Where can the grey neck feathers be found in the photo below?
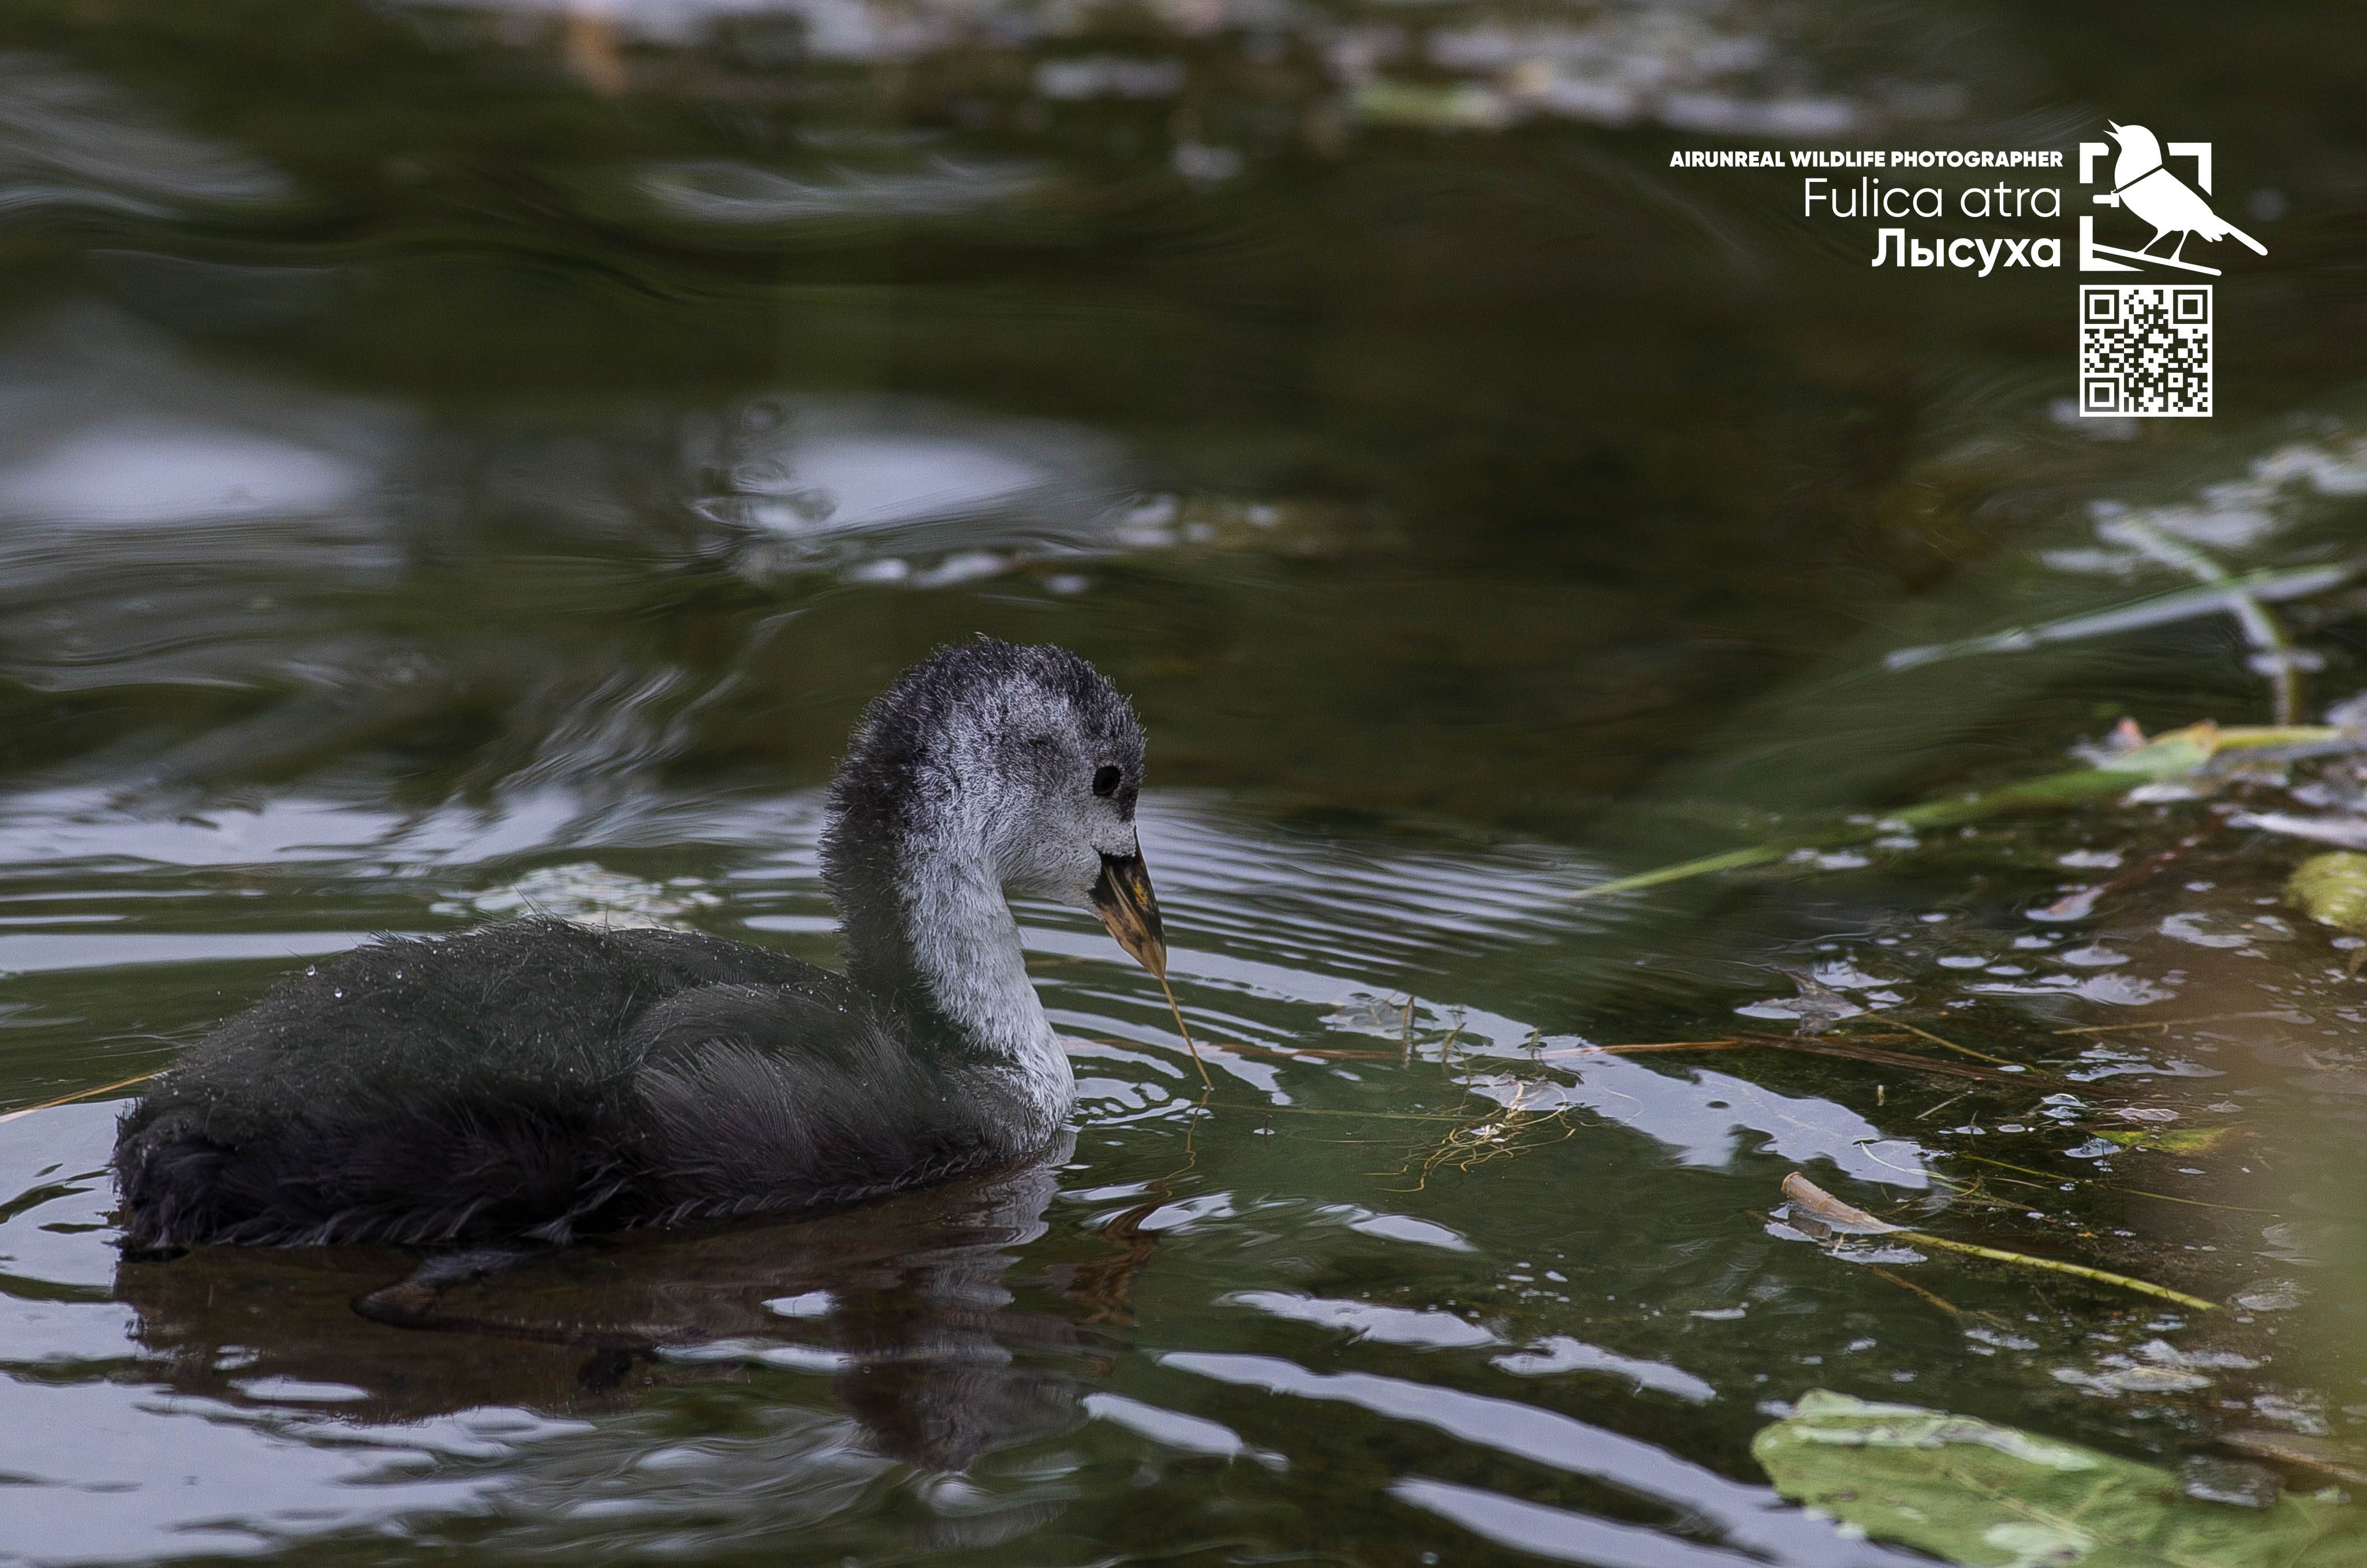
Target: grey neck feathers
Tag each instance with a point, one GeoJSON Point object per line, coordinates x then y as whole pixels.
{"type": "Point", "coordinates": [930, 933]}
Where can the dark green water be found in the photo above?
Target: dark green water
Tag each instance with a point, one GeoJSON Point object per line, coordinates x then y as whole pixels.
{"type": "Point", "coordinates": [459, 461]}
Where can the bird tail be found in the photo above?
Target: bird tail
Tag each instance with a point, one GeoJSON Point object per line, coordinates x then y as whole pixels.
{"type": "Point", "coordinates": [2258, 248]}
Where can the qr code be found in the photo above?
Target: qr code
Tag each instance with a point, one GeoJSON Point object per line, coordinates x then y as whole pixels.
{"type": "Point", "coordinates": [2145, 349]}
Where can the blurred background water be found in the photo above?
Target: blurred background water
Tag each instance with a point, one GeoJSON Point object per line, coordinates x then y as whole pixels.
{"type": "Point", "coordinates": [457, 460]}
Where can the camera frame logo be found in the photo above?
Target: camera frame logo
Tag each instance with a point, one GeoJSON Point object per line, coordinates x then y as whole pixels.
{"type": "Point", "coordinates": [2145, 349]}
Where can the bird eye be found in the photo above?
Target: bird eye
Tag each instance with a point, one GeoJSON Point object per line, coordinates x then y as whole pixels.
{"type": "Point", "coordinates": [1105, 779]}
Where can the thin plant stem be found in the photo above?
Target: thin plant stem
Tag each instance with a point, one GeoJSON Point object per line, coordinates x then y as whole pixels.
{"type": "Point", "coordinates": [2176, 1023]}
{"type": "Point", "coordinates": [1950, 1307]}
{"type": "Point", "coordinates": [1943, 1105]}
{"type": "Point", "coordinates": [1907, 1060]}
{"type": "Point", "coordinates": [1952, 1045]}
{"type": "Point", "coordinates": [1187, 1033]}
{"type": "Point", "coordinates": [1352, 1114]}
{"type": "Point", "coordinates": [1825, 1210]}
{"type": "Point", "coordinates": [2054, 1266]}
{"type": "Point", "coordinates": [80, 1095]}
{"type": "Point", "coordinates": [1728, 1044]}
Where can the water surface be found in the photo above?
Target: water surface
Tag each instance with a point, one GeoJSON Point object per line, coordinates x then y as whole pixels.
{"type": "Point", "coordinates": [458, 462]}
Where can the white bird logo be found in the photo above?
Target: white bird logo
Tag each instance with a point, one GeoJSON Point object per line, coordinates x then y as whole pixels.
{"type": "Point", "coordinates": [2143, 185]}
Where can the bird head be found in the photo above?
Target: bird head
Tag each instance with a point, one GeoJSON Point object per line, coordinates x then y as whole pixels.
{"type": "Point", "coordinates": [1024, 760]}
{"type": "Point", "coordinates": [2136, 140]}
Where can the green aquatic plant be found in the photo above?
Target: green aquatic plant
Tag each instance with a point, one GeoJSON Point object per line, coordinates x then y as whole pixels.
{"type": "Point", "coordinates": [2331, 888]}
{"type": "Point", "coordinates": [2187, 1142]}
{"type": "Point", "coordinates": [2245, 596]}
{"type": "Point", "coordinates": [2240, 594]}
{"type": "Point", "coordinates": [2174, 755]}
{"type": "Point", "coordinates": [1991, 1496]}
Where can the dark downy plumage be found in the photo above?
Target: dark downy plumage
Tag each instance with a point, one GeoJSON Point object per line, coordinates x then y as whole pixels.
{"type": "Point", "coordinates": [535, 1080]}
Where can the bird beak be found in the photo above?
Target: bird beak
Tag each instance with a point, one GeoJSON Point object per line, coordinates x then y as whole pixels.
{"type": "Point", "coordinates": [1122, 897]}
{"type": "Point", "coordinates": [2116, 128]}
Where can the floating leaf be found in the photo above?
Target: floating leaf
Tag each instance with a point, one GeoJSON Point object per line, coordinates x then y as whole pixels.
{"type": "Point", "coordinates": [1991, 1496]}
{"type": "Point", "coordinates": [1830, 1212]}
{"type": "Point", "coordinates": [2171, 755]}
{"type": "Point", "coordinates": [2331, 888]}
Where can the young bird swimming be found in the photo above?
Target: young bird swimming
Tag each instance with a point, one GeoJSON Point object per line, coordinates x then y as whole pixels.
{"type": "Point", "coordinates": [537, 1079]}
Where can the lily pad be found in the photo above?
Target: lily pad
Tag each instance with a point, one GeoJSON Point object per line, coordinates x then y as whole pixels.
{"type": "Point", "coordinates": [1990, 1496]}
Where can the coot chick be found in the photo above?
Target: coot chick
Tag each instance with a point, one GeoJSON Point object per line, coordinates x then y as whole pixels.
{"type": "Point", "coordinates": [535, 1080]}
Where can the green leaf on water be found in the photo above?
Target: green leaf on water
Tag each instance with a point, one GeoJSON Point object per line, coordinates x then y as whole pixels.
{"type": "Point", "coordinates": [1991, 1496]}
{"type": "Point", "coordinates": [2170, 1141]}
{"type": "Point", "coordinates": [2332, 890]}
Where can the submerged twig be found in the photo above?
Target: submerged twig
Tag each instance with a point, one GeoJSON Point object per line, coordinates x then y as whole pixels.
{"type": "Point", "coordinates": [2081, 904]}
{"type": "Point", "coordinates": [2110, 1186]}
{"type": "Point", "coordinates": [1831, 1212]}
{"type": "Point", "coordinates": [1849, 1052]}
{"type": "Point", "coordinates": [1646, 1047]}
{"type": "Point", "coordinates": [1952, 1045]}
{"type": "Point", "coordinates": [2007, 1166]}
{"type": "Point", "coordinates": [1903, 1283]}
{"type": "Point", "coordinates": [1943, 1105]}
{"type": "Point", "coordinates": [2281, 1016]}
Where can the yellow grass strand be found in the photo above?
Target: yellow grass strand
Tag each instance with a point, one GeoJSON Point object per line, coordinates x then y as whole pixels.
{"type": "Point", "coordinates": [79, 1094]}
{"type": "Point", "coordinates": [1194, 1050]}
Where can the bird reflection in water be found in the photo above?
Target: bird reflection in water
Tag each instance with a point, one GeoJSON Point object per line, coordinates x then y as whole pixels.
{"type": "Point", "coordinates": [905, 1303]}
